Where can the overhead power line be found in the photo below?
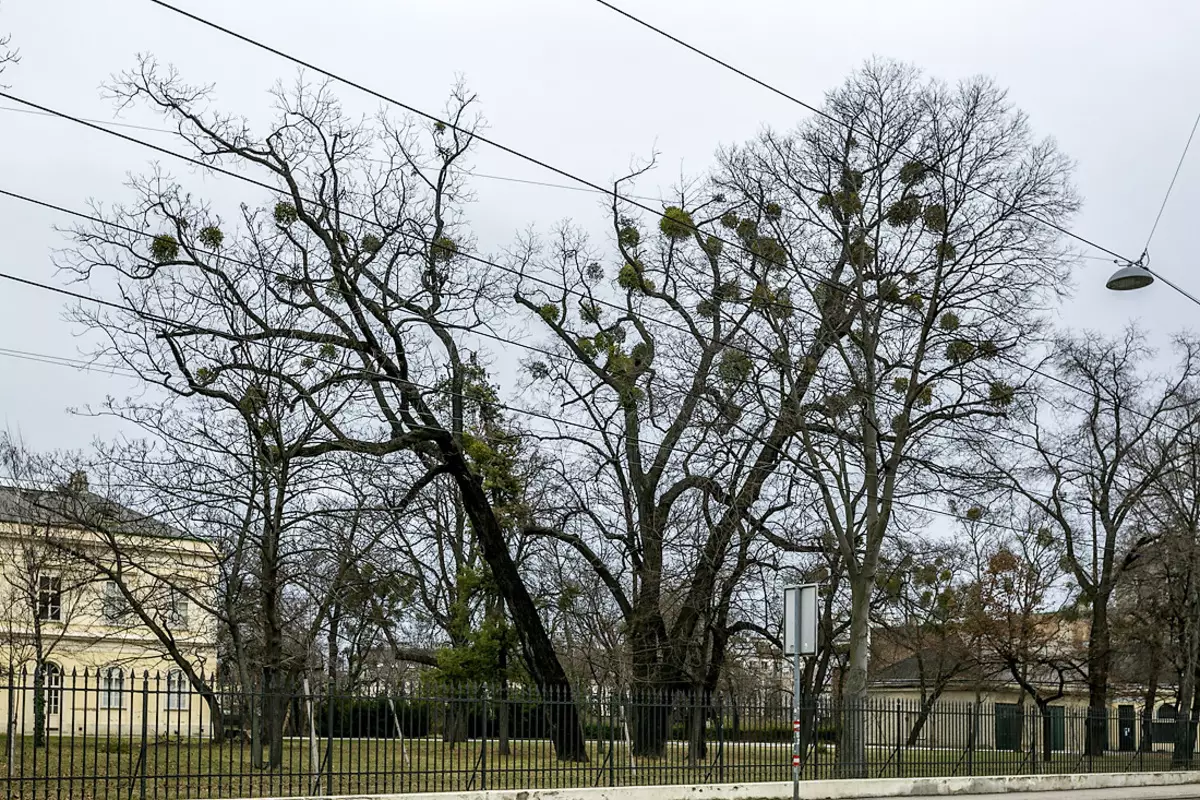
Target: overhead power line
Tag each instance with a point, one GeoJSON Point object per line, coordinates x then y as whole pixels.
{"type": "Point", "coordinates": [463, 253]}
{"type": "Point", "coordinates": [168, 131]}
{"type": "Point", "coordinates": [825, 115]}
{"type": "Point", "coordinates": [533, 159]}
{"type": "Point", "coordinates": [1171, 185]}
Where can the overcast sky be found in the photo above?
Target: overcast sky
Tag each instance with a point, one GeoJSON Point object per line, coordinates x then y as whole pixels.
{"type": "Point", "coordinates": [576, 85]}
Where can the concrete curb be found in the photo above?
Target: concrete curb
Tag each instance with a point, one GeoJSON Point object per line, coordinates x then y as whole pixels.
{"type": "Point", "coordinates": [824, 790]}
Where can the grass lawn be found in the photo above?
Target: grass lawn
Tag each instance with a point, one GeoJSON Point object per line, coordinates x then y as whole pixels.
{"type": "Point", "coordinates": [112, 768]}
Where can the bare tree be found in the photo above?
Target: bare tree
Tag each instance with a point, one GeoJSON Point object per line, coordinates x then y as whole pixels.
{"type": "Point", "coordinates": [947, 288]}
{"type": "Point", "coordinates": [1093, 449]}
{"type": "Point", "coordinates": [1012, 611]}
{"type": "Point", "coordinates": [354, 273]}
{"type": "Point", "coordinates": [921, 619]}
{"type": "Point", "coordinates": [685, 381]}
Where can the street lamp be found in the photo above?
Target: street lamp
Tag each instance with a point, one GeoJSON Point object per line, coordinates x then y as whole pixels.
{"type": "Point", "coordinates": [1129, 277]}
{"type": "Point", "coordinates": [1137, 275]}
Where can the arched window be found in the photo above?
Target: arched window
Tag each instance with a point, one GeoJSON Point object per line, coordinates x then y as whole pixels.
{"type": "Point", "coordinates": [179, 691]}
{"type": "Point", "coordinates": [52, 686]}
{"type": "Point", "coordinates": [112, 687]}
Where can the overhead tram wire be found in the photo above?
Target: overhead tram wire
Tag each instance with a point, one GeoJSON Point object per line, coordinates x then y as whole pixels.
{"type": "Point", "coordinates": [285, 193]}
{"type": "Point", "coordinates": [463, 253]}
{"type": "Point", "coordinates": [480, 333]}
{"type": "Point", "coordinates": [1179, 166]}
{"type": "Point", "coordinates": [168, 131]}
{"type": "Point", "coordinates": [827, 116]}
{"type": "Point", "coordinates": [544, 164]}
{"type": "Point", "coordinates": [77, 364]}
{"type": "Point", "coordinates": [63, 361]}
{"type": "Point", "coordinates": [150, 316]}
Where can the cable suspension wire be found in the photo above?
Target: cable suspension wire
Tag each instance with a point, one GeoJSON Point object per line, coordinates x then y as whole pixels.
{"type": "Point", "coordinates": [463, 253]}
{"type": "Point", "coordinates": [168, 131]}
{"type": "Point", "coordinates": [549, 284]}
{"type": "Point", "coordinates": [827, 116]}
{"type": "Point", "coordinates": [524, 156]}
{"type": "Point", "coordinates": [1174, 177]}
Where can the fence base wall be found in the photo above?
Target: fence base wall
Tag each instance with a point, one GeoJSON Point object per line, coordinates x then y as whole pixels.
{"type": "Point", "coordinates": [867, 789]}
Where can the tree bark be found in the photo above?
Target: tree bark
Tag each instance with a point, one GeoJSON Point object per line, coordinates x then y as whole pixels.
{"type": "Point", "coordinates": [39, 704]}
{"type": "Point", "coordinates": [927, 704]}
{"type": "Point", "coordinates": [852, 748]}
{"type": "Point", "coordinates": [566, 731]}
{"type": "Point", "coordinates": [1098, 662]}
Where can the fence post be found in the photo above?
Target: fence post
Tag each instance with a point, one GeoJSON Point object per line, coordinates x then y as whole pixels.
{"type": "Point", "coordinates": [899, 740]}
{"type": "Point", "coordinates": [145, 724]}
{"type": "Point", "coordinates": [720, 739]}
{"type": "Point", "coordinates": [329, 740]}
{"type": "Point", "coordinates": [612, 738]}
{"type": "Point", "coordinates": [483, 740]}
{"type": "Point", "coordinates": [10, 724]}
{"type": "Point", "coordinates": [1090, 738]}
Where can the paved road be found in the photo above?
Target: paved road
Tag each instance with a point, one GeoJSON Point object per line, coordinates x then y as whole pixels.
{"type": "Point", "coordinates": [1132, 793]}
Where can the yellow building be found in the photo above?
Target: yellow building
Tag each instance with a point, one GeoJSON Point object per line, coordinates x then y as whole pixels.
{"type": "Point", "coordinates": [102, 617]}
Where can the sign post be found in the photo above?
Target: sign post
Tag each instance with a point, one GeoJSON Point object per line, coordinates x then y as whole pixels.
{"type": "Point", "coordinates": [800, 631]}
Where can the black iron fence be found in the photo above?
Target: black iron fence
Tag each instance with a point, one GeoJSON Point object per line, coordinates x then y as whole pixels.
{"type": "Point", "coordinates": [115, 734]}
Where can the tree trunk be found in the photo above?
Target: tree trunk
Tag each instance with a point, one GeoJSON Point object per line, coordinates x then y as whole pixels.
{"type": "Point", "coordinates": [502, 712]}
{"type": "Point", "coordinates": [852, 746]}
{"type": "Point", "coordinates": [927, 704]}
{"type": "Point", "coordinates": [697, 729]}
{"type": "Point", "coordinates": [1184, 718]}
{"type": "Point", "coordinates": [39, 704]}
{"type": "Point", "coordinates": [454, 730]}
{"type": "Point", "coordinates": [1185, 714]}
{"type": "Point", "coordinates": [272, 667]}
{"type": "Point", "coordinates": [1099, 651]}
{"type": "Point", "coordinates": [1146, 744]}
{"type": "Point", "coordinates": [566, 730]}
{"type": "Point", "coordinates": [651, 716]}
{"type": "Point", "coordinates": [1047, 730]}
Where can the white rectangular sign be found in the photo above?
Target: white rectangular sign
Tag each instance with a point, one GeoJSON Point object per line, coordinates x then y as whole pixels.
{"type": "Point", "coordinates": [800, 620]}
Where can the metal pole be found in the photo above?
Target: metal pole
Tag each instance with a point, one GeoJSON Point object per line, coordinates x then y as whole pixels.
{"type": "Point", "coordinates": [796, 722]}
{"type": "Point", "coordinates": [145, 725]}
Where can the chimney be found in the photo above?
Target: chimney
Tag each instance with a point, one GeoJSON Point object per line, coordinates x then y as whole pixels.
{"type": "Point", "coordinates": [78, 482]}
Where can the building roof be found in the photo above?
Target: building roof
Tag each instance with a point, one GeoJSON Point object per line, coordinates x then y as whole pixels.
{"type": "Point", "coordinates": [77, 507]}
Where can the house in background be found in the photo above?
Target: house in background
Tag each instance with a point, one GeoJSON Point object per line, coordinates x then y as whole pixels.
{"type": "Point", "coordinates": [956, 692]}
{"type": "Point", "coordinates": [96, 601]}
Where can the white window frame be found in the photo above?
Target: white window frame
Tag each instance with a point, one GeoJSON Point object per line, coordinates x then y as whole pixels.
{"type": "Point", "coordinates": [178, 611]}
{"type": "Point", "coordinates": [115, 607]}
{"type": "Point", "coordinates": [179, 691]}
{"type": "Point", "coordinates": [52, 684]}
{"type": "Point", "coordinates": [49, 598]}
{"type": "Point", "coordinates": [112, 688]}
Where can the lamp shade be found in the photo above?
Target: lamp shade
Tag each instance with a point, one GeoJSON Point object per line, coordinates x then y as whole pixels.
{"type": "Point", "coordinates": [1130, 277]}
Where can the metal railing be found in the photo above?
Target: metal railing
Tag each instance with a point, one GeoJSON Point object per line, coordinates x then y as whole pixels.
{"type": "Point", "coordinates": [115, 734]}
